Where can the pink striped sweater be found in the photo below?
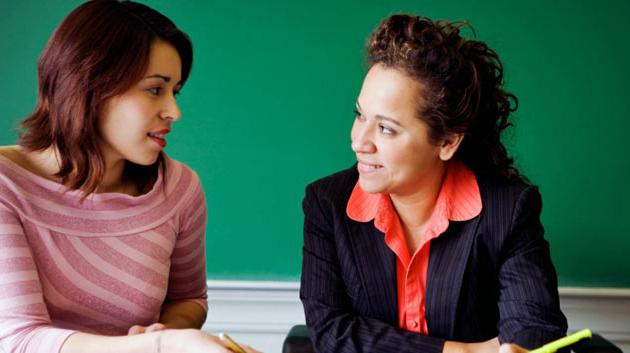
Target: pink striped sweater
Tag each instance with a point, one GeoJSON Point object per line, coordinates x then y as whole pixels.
{"type": "Point", "coordinates": [99, 266]}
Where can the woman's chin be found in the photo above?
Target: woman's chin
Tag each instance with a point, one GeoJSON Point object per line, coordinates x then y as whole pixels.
{"type": "Point", "coordinates": [144, 160]}
{"type": "Point", "coordinates": [371, 186]}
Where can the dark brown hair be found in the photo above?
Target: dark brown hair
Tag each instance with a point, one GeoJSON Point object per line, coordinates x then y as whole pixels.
{"type": "Point", "coordinates": [100, 50]}
{"type": "Point", "coordinates": [464, 86]}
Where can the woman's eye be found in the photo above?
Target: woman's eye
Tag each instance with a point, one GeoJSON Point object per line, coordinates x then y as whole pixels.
{"type": "Point", "coordinates": [357, 115]}
{"type": "Point", "coordinates": [386, 131]}
{"type": "Point", "coordinates": [155, 90]}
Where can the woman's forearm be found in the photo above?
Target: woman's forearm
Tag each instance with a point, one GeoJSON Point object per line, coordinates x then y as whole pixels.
{"type": "Point", "coordinates": [183, 314]}
{"type": "Point", "coordinates": [83, 342]}
{"type": "Point", "coordinates": [167, 341]}
{"type": "Point", "coordinates": [489, 346]}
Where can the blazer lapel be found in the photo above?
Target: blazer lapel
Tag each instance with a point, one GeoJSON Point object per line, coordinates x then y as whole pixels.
{"type": "Point", "coordinates": [448, 257]}
{"type": "Point", "coordinates": [376, 265]}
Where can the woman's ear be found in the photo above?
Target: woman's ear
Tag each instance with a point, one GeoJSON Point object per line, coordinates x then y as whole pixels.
{"type": "Point", "coordinates": [449, 146]}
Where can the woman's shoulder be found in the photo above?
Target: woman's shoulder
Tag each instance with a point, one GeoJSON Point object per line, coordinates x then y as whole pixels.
{"type": "Point", "coordinates": [173, 165]}
{"type": "Point", "coordinates": [9, 170]}
{"type": "Point", "coordinates": [181, 180]}
{"type": "Point", "coordinates": [15, 166]}
{"type": "Point", "coordinates": [491, 184]}
{"type": "Point", "coordinates": [24, 188]}
{"type": "Point", "coordinates": [184, 190]}
{"type": "Point", "coordinates": [12, 154]}
{"type": "Point", "coordinates": [499, 194]}
{"type": "Point", "coordinates": [38, 167]}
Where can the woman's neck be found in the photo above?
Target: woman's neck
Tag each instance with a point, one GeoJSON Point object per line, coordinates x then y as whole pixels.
{"type": "Point", "coordinates": [415, 209]}
{"type": "Point", "coordinates": [113, 180]}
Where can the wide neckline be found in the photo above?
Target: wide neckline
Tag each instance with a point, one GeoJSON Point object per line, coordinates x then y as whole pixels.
{"type": "Point", "coordinates": [58, 187]}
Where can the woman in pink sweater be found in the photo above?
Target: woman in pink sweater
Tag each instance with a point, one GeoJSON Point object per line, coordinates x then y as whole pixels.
{"type": "Point", "coordinates": [102, 235]}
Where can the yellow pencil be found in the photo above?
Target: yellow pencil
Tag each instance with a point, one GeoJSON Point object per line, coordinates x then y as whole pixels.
{"type": "Point", "coordinates": [230, 343]}
{"type": "Point", "coordinates": [551, 347]}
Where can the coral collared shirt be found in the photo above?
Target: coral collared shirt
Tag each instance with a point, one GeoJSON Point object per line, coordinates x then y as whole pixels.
{"type": "Point", "coordinates": [458, 200]}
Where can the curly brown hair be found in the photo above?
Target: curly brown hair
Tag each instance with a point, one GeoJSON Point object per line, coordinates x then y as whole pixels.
{"type": "Point", "coordinates": [464, 80]}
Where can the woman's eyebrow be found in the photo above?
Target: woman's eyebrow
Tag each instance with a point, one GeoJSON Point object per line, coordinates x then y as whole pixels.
{"type": "Point", "coordinates": [163, 77]}
{"type": "Point", "coordinates": [381, 117]}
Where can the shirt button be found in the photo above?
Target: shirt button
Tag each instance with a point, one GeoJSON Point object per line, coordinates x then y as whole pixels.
{"type": "Point", "coordinates": [412, 323]}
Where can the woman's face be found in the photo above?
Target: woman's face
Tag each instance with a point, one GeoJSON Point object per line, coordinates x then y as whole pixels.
{"type": "Point", "coordinates": [133, 125]}
{"type": "Point", "coordinates": [391, 143]}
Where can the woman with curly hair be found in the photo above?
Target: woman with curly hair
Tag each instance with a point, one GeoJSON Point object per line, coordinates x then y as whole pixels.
{"type": "Point", "coordinates": [432, 242]}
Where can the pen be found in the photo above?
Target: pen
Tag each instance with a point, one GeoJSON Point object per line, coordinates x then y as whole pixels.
{"type": "Point", "coordinates": [563, 342]}
{"type": "Point", "coordinates": [230, 343]}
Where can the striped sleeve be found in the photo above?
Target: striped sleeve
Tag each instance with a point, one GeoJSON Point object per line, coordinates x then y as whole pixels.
{"type": "Point", "coordinates": [187, 279]}
{"type": "Point", "coordinates": [25, 325]}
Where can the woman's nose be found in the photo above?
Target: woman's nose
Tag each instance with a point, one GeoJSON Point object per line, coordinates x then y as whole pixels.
{"type": "Point", "coordinates": [361, 137]}
{"type": "Point", "coordinates": [171, 109]}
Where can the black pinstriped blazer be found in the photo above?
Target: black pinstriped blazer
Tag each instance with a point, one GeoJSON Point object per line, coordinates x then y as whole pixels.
{"type": "Point", "coordinates": [489, 276]}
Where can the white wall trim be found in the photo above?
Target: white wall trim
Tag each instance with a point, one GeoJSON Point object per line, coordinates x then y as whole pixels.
{"type": "Point", "coordinates": [603, 310]}
{"type": "Point", "coordinates": [256, 285]}
{"type": "Point", "coordinates": [260, 313]}
{"type": "Point", "coordinates": [602, 292]}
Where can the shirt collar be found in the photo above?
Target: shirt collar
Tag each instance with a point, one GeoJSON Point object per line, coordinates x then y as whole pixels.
{"type": "Point", "coordinates": [459, 199]}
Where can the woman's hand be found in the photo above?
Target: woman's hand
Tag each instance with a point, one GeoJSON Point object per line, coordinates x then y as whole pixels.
{"type": "Point", "coordinates": [138, 329]}
{"type": "Point", "coordinates": [512, 348]}
{"type": "Point", "coordinates": [195, 341]}
{"type": "Point", "coordinates": [489, 346]}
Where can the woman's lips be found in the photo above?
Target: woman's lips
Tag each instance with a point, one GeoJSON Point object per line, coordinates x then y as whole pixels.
{"type": "Point", "coordinates": [160, 141]}
{"type": "Point", "coordinates": [365, 168]}
{"type": "Point", "coordinates": [158, 137]}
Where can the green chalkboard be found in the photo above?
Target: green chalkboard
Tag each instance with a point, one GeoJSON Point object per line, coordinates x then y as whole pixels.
{"type": "Point", "coordinates": [268, 109]}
